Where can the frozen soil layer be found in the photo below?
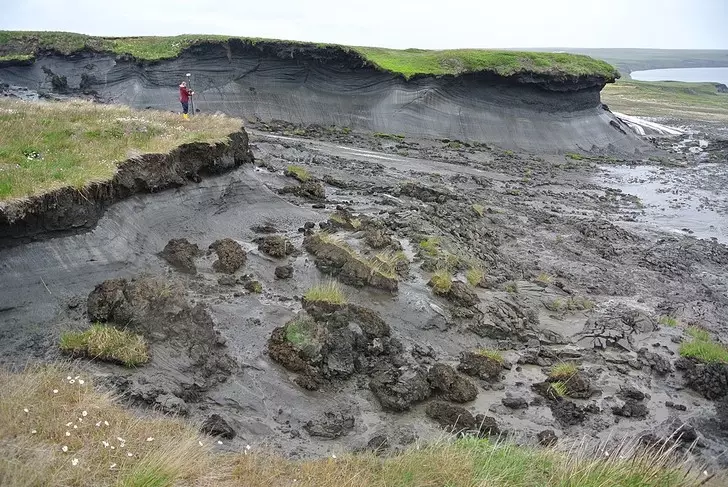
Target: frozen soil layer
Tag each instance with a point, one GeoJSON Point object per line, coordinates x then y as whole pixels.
{"type": "Point", "coordinates": [564, 281]}
{"type": "Point", "coordinates": [309, 85]}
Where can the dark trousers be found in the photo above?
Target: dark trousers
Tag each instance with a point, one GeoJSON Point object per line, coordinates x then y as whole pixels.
{"type": "Point", "coordinates": [185, 106]}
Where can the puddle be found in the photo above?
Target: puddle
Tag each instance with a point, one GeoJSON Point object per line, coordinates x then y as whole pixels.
{"type": "Point", "coordinates": [688, 200]}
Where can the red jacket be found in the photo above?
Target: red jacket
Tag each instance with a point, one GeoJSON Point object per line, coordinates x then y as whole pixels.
{"type": "Point", "coordinates": [184, 94]}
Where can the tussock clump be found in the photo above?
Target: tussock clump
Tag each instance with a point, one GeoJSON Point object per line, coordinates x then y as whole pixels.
{"type": "Point", "coordinates": [475, 276]}
{"type": "Point", "coordinates": [491, 354]}
{"type": "Point", "coordinates": [108, 343]}
{"type": "Point", "coordinates": [298, 172]}
{"type": "Point", "coordinates": [441, 282]}
{"type": "Point", "coordinates": [563, 371]}
{"type": "Point", "coordinates": [703, 348]}
{"type": "Point", "coordinates": [328, 292]}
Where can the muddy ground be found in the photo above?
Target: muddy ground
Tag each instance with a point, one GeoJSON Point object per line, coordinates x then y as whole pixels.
{"type": "Point", "coordinates": [575, 270]}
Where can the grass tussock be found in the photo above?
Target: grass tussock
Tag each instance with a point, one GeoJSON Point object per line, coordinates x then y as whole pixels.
{"type": "Point", "coordinates": [376, 265]}
{"type": "Point", "coordinates": [37, 407]}
{"type": "Point", "coordinates": [492, 354]}
{"type": "Point", "coordinates": [570, 304]}
{"type": "Point", "coordinates": [703, 348]}
{"type": "Point", "coordinates": [430, 246]}
{"type": "Point", "coordinates": [298, 172]}
{"type": "Point", "coordinates": [327, 292]}
{"type": "Point", "coordinates": [475, 275]}
{"type": "Point", "coordinates": [558, 388]}
{"type": "Point", "coordinates": [107, 343]}
{"type": "Point", "coordinates": [544, 278]}
{"type": "Point", "coordinates": [441, 281]}
{"type": "Point", "coordinates": [563, 371]}
{"type": "Point", "coordinates": [46, 146]}
{"type": "Point", "coordinates": [669, 321]}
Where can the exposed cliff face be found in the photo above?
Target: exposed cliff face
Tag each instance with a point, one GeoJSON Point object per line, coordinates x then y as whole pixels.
{"type": "Point", "coordinates": [68, 210]}
{"type": "Point", "coordinates": [334, 86]}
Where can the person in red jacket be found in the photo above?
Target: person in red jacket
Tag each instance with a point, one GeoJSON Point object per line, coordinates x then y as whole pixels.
{"type": "Point", "coordinates": [184, 98]}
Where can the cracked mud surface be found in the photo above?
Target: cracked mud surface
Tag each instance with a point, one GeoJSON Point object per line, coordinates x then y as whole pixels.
{"type": "Point", "coordinates": [574, 271]}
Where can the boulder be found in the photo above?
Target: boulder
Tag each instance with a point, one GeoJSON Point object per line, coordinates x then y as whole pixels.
{"type": "Point", "coordinates": [631, 409]}
{"type": "Point", "coordinates": [515, 402]}
{"type": "Point", "coordinates": [567, 412]}
{"type": "Point", "coordinates": [398, 389]}
{"type": "Point", "coordinates": [462, 294]}
{"type": "Point", "coordinates": [547, 438]}
{"type": "Point", "coordinates": [330, 425]}
{"type": "Point", "coordinates": [275, 245]}
{"type": "Point", "coordinates": [284, 271]}
{"type": "Point", "coordinates": [480, 366]}
{"type": "Point", "coordinates": [450, 417]}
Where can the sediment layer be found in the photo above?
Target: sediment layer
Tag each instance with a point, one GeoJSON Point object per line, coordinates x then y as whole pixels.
{"type": "Point", "coordinates": [306, 84]}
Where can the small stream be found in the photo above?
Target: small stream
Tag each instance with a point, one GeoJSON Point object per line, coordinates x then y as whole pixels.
{"type": "Point", "coordinates": [685, 200]}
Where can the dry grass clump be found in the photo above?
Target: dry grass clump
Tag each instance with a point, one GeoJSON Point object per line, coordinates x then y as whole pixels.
{"type": "Point", "coordinates": [563, 371]}
{"type": "Point", "coordinates": [108, 343]}
{"type": "Point", "coordinates": [46, 146]}
{"type": "Point", "coordinates": [441, 281]}
{"type": "Point", "coordinates": [492, 354]}
{"type": "Point", "coordinates": [474, 275]}
{"type": "Point", "coordinates": [298, 172]}
{"type": "Point", "coordinates": [327, 292]}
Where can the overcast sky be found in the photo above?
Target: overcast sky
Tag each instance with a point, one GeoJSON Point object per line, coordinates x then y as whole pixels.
{"type": "Point", "coordinates": [391, 23]}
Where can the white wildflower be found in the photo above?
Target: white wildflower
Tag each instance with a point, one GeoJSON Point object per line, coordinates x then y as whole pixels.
{"type": "Point", "coordinates": [80, 381]}
{"type": "Point", "coordinates": [333, 456]}
{"type": "Point", "coordinates": [64, 448]}
{"type": "Point", "coordinates": [69, 423]}
{"type": "Point", "coordinates": [33, 432]}
{"type": "Point", "coordinates": [84, 413]}
{"type": "Point", "coordinates": [705, 472]}
{"type": "Point", "coordinates": [130, 454]}
{"type": "Point", "coordinates": [151, 438]}
{"type": "Point", "coordinates": [98, 424]}
{"type": "Point", "coordinates": [219, 442]}
{"type": "Point", "coordinates": [55, 391]}
{"type": "Point", "coordinates": [25, 410]}
{"type": "Point", "coordinates": [247, 447]}
{"type": "Point", "coordinates": [200, 443]}
{"type": "Point", "coordinates": [77, 377]}
{"type": "Point", "coordinates": [112, 466]}
{"type": "Point", "coordinates": [75, 426]}
{"type": "Point", "coordinates": [121, 439]}
{"type": "Point", "coordinates": [105, 443]}
{"type": "Point", "coordinates": [112, 447]}
{"type": "Point", "coordinates": [72, 381]}
{"type": "Point", "coordinates": [606, 453]}
{"type": "Point", "coordinates": [69, 378]}
{"type": "Point", "coordinates": [106, 423]}
{"type": "Point", "coordinates": [68, 433]}
{"type": "Point", "coordinates": [74, 462]}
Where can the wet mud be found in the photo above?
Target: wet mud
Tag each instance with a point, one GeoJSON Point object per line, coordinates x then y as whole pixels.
{"type": "Point", "coordinates": [574, 269]}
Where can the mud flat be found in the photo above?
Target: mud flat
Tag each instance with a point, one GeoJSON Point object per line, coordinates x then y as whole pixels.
{"type": "Point", "coordinates": [543, 270]}
{"type": "Point", "coordinates": [330, 85]}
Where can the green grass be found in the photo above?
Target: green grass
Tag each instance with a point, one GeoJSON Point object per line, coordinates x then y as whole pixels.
{"type": "Point", "coordinates": [544, 278]}
{"type": "Point", "coordinates": [298, 172]}
{"type": "Point", "coordinates": [687, 101]}
{"type": "Point", "coordinates": [441, 281]}
{"type": "Point", "coordinates": [327, 292]}
{"type": "Point", "coordinates": [392, 259]}
{"type": "Point", "coordinates": [474, 275]}
{"type": "Point", "coordinates": [574, 156]}
{"type": "Point", "coordinates": [107, 343]}
{"type": "Point", "coordinates": [558, 388]}
{"type": "Point", "coordinates": [563, 371]}
{"type": "Point", "coordinates": [511, 287]}
{"type": "Point", "coordinates": [382, 135]}
{"type": "Point", "coordinates": [47, 146]}
{"type": "Point", "coordinates": [409, 62]}
{"type": "Point", "coordinates": [179, 455]}
{"type": "Point", "coordinates": [491, 354]}
{"type": "Point", "coordinates": [430, 246]}
{"type": "Point", "coordinates": [703, 348]}
{"type": "Point", "coordinates": [669, 321]}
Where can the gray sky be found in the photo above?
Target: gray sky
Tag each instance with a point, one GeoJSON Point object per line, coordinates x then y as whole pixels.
{"type": "Point", "coordinates": [669, 24]}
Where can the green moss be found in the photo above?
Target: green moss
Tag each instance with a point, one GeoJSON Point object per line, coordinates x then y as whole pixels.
{"type": "Point", "coordinates": [410, 62]}
{"type": "Point", "coordinates": [107, 343]}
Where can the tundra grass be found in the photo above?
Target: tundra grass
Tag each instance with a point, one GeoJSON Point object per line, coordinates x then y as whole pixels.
{"type": "Point", "coordinates": [46, 146]}
{"type": "Point", "coordinates": [703, 348]}
{"type": "Point", "coordinates": [40, 407]}
{"type": "Point", "coordinates": [441, 281]}
{"type": "Point", "coordinates": [327, 292]}
{"type": "Point", "coordinates": [563, 371]}
{"type": "Point", "coordinates": [474, 275]}
{"type": "Point", "coordinates": [107, 343]}
{"type": "Point", "coordinates": [409, 62]}
{"type": "Point", "coordinates": [673, 99]}
{"type": "Point", "coordinates": [491, 354]}
{"type": "Point", "coordinates": [298, 172]}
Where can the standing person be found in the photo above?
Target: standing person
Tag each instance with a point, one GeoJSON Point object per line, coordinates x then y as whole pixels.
{"type": "Point", "coordinates": [184, 99]}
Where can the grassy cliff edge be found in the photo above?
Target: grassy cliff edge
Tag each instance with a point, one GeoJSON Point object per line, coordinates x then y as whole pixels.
{"type": "Point", "coordinates": [25, 45]}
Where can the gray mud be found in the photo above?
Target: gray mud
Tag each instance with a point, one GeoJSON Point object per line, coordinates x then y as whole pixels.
{"type": "Point", "coordinates": [561, 283]}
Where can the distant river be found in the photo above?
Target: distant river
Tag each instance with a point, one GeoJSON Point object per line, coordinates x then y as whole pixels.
{"type": "Point", "coordinates": [715, 75]}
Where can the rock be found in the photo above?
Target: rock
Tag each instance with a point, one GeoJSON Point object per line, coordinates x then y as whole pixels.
{"type": "Point", "coordinates": [631, 409]}
{"type": "Point", "coordinates": [181, 254]}
{"type": "Point", "coordinates": [253, 286]}
{"type": "Point", "coordinates": [267, 228]}
{"type": "Point", "coordinates": [450, 417]}
{"type": "Point", "coordinates": [547, 438]}
{"type": "Point", "coordinates": [685, 433]}
{"type": "Point", "coordinates": [658, 363]}
{"type": "Point", "coordinates": [615, 327]}
{"type": "Point", "coordinates": [284, 271]}
{"type": "Point", "coordinates": [452, 386]}
{"type": "Point", "coordinates": [310, 189]}
{"type": "Point", "coordinates": [567, 412]}
{"type": "Point", "coordinates": [227, 280]}
{"type": "Point", "coordinates": [275, 245]}
{"type": "Point", "coordinates": [397, 389]}
{"type": "Point", "coordinates": [677, 407]}
{"type": "Point", "coordinates": [330, 425]}
{"type": "Point", "coordinates": [631, 393]}
{"type": "Point", "coordinates": [230, 255]}
{"type": "Point", "coordinates": [578, 386]}
{"type": "Point", "coordinates": [515, 402]}
{"type": "Point", "coordinates": [215, 425]}
{"type": "Point", "coordinates": [480, 366]}
{"type": "Point", "coordinates": [711, 380]}
{"type": "Point", "coordinates": [721, 412]}
{"type": "Point", "coordinates": [376, 238]}
{"type": "Point", "coordinates": [462, 294]}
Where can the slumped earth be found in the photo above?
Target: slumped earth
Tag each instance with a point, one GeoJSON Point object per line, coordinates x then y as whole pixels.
{"type": "Point", "coordinates": [570, 276]}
